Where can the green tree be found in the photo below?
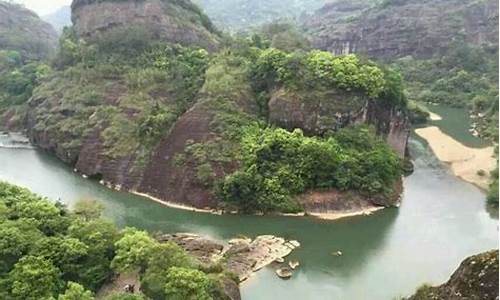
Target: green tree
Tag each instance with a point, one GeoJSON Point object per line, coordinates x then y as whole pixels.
{"type": "Point", "coordinates": [99, 236]}
{"type": "Point", "coordinates": [188, 284]}
{"type": "Point", "coordinates": [133, 250]}
{"type": "Point", "coordinates": [35, 278]}
{"type": "Point", "coordinates": [165, 256]}
{"type": "Point", "coordinates": [75, 291]}
{"type": "Point", "coordinates": [64, 252]}
{"type": "Point", "coordinates": [88, 209]}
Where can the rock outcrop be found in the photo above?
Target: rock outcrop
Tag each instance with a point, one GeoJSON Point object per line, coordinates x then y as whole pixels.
{"type": "Point", "coordinates": [241, 256]}
{"type": "Point", "coordinates": [334, 204]}
{"type": "Point", "coordinates": [78, 126]}
{"type": "Point", "coordinates": [475, 279]}
{"type": "Point", "coordinates": [168, 20]}
{"type": "Point", "coordinates": [336, 109]}
{"type": "Point", "coordinates": [399, 28]}
{"type": "Point", "coordinates": [22, 30]}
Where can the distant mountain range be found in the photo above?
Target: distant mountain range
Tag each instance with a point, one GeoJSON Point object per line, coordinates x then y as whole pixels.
{"type": "Point", "coordinates": [59, 18]}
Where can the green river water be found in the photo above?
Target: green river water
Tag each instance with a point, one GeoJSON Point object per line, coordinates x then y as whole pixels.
{"type": "Point", "coordinates": [441, 221]}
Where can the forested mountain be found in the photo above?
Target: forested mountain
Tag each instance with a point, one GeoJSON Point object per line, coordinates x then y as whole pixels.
{"type": "Point", "coordinates": [133, 100]}
{"type": "Point", "coordinates": [50, 252]}
{"type": "Point", "coordinates": [446, 50]}
{"type": "Point", "coordinates": [23, 31]}
{"type": "Point", "coordinates": [25, 41]}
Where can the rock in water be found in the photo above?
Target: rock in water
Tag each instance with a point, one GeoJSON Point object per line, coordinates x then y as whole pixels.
{"type": "Point", "coordinates": [293, 264]}
{"type": "Point", "coordinates": [242, 256]}
{"type": "Point", "coordinates": [284, 273]}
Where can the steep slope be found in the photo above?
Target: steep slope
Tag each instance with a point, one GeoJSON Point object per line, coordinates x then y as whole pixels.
{"type": "Point", "coordinates": [25, 43]}
{"type": "Point", "coordinates": [183, 125]}
{"type": "Point", "coordinates": [397, 28]}
{"type": "Point", "coordinates": [175, 21]}
{"type": "Point", "coordinates": [446, 50]}
{"type": "Point", "coordinates": [475, 279]}
{"type": "Point", "coordinates": [22, 30]}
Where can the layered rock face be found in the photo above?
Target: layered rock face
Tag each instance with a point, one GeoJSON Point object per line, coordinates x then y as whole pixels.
{"type": "Point", "coordinates": [173, 21]}
{"type": "Point", "coordinates": [77, 128]}
{"type": "Point", "coordinates": [403, 27]}
{"type": "Point", "coordinates": [475, 279]}
{"type": "Point", "coordinates": [22, 30]}
{"type": "Point", "coordinates": [337, 109]}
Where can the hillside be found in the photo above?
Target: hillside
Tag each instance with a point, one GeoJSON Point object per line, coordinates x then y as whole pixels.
{"type": "Point", "coordinates": [398, 28]}
{"type": "Point", "coordinates": [216, 130]}
{"type": "Point", "coordinates": [446, 50]}
{"type": "Point", "coordinates": [174, 21]}
{"type": "Point", "coordinates": [25, 42]}
{"type": "Point", "coordinates": [51, 252]}
{"type": "Point", "coordinates": [23, 31]}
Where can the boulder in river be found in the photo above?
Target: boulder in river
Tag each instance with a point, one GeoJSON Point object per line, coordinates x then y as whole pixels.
{"type": "Point", "coordinates": [294, 264]}
{"type": "Point", "coordinates": [284, 273]}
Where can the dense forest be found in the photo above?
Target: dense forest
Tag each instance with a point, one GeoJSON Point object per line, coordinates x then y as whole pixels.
{"type": "Point", "coordinates": [271, 102]}
{"type": "Point", "coordinates": [50, 252]}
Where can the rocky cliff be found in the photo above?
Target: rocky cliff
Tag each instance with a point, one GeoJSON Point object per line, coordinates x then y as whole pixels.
{"type": "Point", "coordinates": [168, 20]}
{"type": "Point", "coordinates": [475, 279]}
{"type": "Point", "coordinates": [336, 109]}
{"type": "Point", "coordinates": [397, 28]}
{"type": "Point", "coordinates": [167, 121]}
{"type": "Point", "coordinates": [22, 30]}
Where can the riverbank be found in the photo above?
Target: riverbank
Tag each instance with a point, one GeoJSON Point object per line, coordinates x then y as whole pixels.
{"type": "Point", "coordinates": [371, 246]}
{"type": "Point", "coordinates": [331, 216]}
{"type": "Point", "coordinates": [470, 164]}
{"type": "Point", "coordinates": [176, 205]}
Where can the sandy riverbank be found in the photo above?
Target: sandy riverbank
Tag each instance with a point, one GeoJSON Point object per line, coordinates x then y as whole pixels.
{"type": "Point", "coordinates": [434, 116]}
{"type": "Point", "coordinates": [336, 215]}
{"type": "Point", "coordinates": [178, 206]}
{"type": "Point", "coordinates": [465, 162]}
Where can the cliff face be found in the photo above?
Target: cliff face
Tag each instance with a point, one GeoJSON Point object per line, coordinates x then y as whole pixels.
{"type": "Point", "coordinates": [334, 109]}
{"type": "Point", "coordinates": [168, 20]}
{"type": "Point", "coordinates": [403, 27]}
{"type": "Point", "coordinates": [22, 30]}
{"type": "Point", "coordinates": [475, 279]}
{"type": "Point", "coordinates": [98, 117]}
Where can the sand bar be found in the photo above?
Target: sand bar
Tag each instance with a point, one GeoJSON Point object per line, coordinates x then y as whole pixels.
{"type": "Point", "coordinates": [465, 162]}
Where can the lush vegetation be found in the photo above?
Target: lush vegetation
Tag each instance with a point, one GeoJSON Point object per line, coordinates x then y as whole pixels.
{"type": "Point", "coordinates": [466, 76]}
{"type": "Point", "coordinates": [18, 78]}
{"type": "Point", "coordinates": [23, 31]}
{"type": "Point", "coordinates": [123, 91]}
{"type": "Point", "coordinates": [134, 88]}
{"type": "Point", "coordinates": [48, 252]}
{"type": "Point", "coordinates": [278, 165]}
{"type": "Point", "coordinates": [319, 70]}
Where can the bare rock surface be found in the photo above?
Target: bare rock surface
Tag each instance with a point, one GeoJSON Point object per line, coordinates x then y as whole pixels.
{"type": "Point", "coordinates": [242, 256]}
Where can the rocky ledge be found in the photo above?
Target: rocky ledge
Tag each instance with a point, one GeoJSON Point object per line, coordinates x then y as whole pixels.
{"type": "Point", "coordinates": [475, 279]}
{"type": "Point", "coordinates": [241, 256]}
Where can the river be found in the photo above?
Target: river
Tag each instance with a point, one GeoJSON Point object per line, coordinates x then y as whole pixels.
{"type": "Point", "coordinates": [441, 221]}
